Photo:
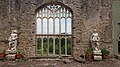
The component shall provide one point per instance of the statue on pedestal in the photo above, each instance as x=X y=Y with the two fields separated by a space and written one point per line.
x=95 y=45
x=13 y=41
x=94 y=40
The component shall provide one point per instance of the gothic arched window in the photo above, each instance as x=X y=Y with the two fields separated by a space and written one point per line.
x=54 y=30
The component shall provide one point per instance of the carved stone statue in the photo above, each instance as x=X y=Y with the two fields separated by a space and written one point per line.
x=95 y=45
x=94 y=40
x=13 y=41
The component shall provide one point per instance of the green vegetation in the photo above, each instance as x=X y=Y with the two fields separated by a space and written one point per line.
x=57 y=46
x=88 y=51
x=105 y=51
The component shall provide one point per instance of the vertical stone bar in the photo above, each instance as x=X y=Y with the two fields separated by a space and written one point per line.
x=59 y=46
x=53 y=45
x=59 y=36
x=53 y=25
x=65 y=45
x=65 y=25
x=65 y=33
x=53 y=37
x=42 y=46
x=42 y=31
x=48 y=36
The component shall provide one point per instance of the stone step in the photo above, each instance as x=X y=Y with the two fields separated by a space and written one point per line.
x=11 y=52
x=97 y=57
x=11 y=56
x=97 y=53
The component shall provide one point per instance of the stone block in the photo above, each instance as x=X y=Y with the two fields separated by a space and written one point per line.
x=97 y=57
x=97 y=52
x=11 y=52
x=11 y=56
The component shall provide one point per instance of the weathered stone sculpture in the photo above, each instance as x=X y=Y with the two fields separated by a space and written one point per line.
x=94 y=40
x=13 y=41
x=95 y=45
x=11 y=52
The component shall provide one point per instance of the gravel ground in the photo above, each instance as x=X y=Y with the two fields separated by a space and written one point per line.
x=59 y=63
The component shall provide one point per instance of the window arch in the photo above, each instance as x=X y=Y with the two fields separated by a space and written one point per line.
x=54 y=23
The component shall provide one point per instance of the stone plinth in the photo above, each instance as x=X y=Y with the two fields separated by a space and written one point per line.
x=97 y=55
x=11 y=54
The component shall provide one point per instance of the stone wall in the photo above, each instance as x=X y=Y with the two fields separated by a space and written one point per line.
x=87 y=15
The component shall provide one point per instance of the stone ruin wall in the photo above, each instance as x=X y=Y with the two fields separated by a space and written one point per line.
x=87 y=15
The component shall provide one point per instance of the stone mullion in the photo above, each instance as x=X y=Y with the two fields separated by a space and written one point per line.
x=62 y=12
x=42 y=47
x=53 y=25
x=60 y=46
x=48 y=37
x=42 y=25
x=59 y=25
x=65 y=25
x=68 y=14
x=42 y=31
x=47 y=32
x=66 y=34
x=59 y=36
x=65 y=45
x=53 y=45
x=53 y=37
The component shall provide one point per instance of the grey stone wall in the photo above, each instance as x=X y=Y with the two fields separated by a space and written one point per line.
x=87 y=15
x=90 y=14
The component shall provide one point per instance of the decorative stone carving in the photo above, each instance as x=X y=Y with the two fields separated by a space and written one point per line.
x=94 y=40
x=95 y=45
x=13 y=41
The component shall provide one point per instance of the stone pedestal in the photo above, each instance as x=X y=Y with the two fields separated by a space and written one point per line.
x=11 y=54
x=97 y=55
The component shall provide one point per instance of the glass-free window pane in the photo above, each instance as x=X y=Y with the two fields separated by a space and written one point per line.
x=63 y=26
x=51 y=45
x=69 y=46
x=48 y=13
x=64 y=12
x=37 y=15
x=39 y=43
x=57 y=46
x=44 y=26
x=60 y=12
x=63 y=46
x=43 y=12
x=50 y=26
x=38 y=26
x=67 y=13
x=69 y=26
x=56 y=26
x=45 y=45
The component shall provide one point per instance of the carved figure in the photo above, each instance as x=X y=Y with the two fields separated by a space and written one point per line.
x=94 y=40
x=13 y=40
